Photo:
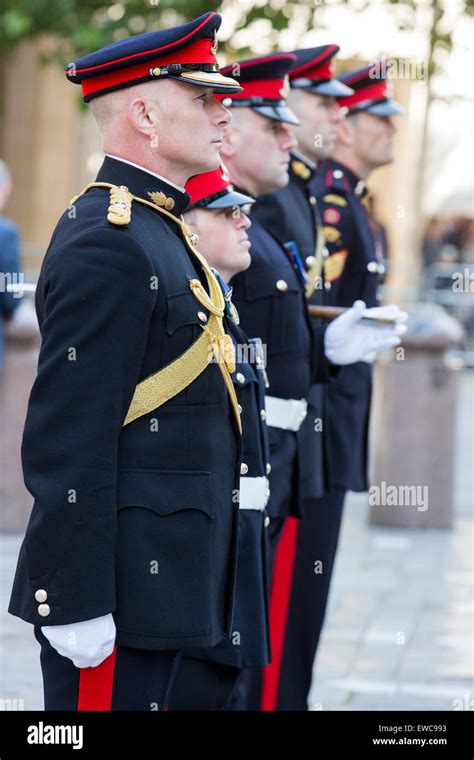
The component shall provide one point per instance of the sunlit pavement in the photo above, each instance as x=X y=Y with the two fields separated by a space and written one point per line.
x=399 y=631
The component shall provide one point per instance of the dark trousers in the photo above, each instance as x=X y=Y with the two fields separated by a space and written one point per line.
x=202 y=685
x=247 y=693
x=302 y=570
x=129 y=679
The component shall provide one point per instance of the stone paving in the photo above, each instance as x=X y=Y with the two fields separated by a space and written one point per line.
x=400 y=624
x=399 y=632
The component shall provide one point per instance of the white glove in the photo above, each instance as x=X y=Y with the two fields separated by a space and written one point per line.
x=348 y=339
x=87 y=643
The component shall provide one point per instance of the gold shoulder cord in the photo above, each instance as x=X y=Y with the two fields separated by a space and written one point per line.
x=158 y=388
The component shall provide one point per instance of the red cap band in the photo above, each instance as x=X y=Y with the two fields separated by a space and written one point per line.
x=209 y=183
x=376 y=91
x=198 y=52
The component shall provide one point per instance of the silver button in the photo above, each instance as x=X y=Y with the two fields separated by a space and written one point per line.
x=325 y=252
x=202 y=316
x=244 y=468
x=310 y=260
x=266 y=522
x=240 y=377
x=372 y=266
x=263 y=415
x=381 y=269
x=239 y=408
x=327 y=285
x=312 y=200
x=226 y=102
x=268 y=468
x=337 y=174
x=44 y=610
x=41 y=595
x=282 y=285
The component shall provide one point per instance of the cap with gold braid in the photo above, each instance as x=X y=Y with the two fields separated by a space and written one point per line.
x=186 y=53
x=265 y=86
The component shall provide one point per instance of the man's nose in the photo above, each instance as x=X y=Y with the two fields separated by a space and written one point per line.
x=289 y=141
x=336 y=113
x=243 y=221
x=222 y=116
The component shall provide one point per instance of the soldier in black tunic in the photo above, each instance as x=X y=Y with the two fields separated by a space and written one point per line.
x=217 y=215
x=132 y=442
x=272 y=303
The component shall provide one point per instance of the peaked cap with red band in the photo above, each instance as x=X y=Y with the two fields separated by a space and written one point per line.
x=186 y=53
x=265 y=86
x=371 y=92
x=313 y=71
x=213 y=190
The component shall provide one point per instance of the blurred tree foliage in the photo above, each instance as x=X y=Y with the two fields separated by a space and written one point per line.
x=84 y=25
x=89 y=24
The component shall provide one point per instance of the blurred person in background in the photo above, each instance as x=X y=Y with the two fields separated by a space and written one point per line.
x=9 y=260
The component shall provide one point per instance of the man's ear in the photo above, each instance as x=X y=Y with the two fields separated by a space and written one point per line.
x=230 y=139
x=140 y=114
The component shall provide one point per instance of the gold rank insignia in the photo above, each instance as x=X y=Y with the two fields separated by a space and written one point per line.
x=120 y=207
x=337 y=200
x=334 y=265
x=332 y=234
x=301 y=170
x=160 y=199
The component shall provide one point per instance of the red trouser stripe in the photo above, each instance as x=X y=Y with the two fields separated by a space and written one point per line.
x=280 y=596
x=96 y=684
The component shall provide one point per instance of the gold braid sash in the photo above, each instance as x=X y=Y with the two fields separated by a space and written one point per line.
x=214 y=343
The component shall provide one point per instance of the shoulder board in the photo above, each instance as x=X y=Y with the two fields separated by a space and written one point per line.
x=120 y=207
x=337 y=200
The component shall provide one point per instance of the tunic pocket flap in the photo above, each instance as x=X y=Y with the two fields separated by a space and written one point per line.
x=244 y=372
x=271 y=282
x=184 y=309
x=165 y=491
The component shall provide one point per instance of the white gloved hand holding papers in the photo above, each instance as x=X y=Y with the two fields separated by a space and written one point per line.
x=350 y=338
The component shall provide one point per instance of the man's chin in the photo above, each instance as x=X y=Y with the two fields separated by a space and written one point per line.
x=244 y=261
x=279 y=181
x=212 y=161
x=388 y=159
x=285 y=178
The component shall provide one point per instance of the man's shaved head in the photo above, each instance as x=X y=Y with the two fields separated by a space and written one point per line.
x=108 y=108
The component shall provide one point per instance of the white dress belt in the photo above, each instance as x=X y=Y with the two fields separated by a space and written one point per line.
x=285 y=413
x=254 y=493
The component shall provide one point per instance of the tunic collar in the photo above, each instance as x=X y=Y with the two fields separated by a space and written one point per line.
x=145 y=184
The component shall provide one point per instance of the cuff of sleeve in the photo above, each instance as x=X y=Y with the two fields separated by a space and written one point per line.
x=81 y=588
